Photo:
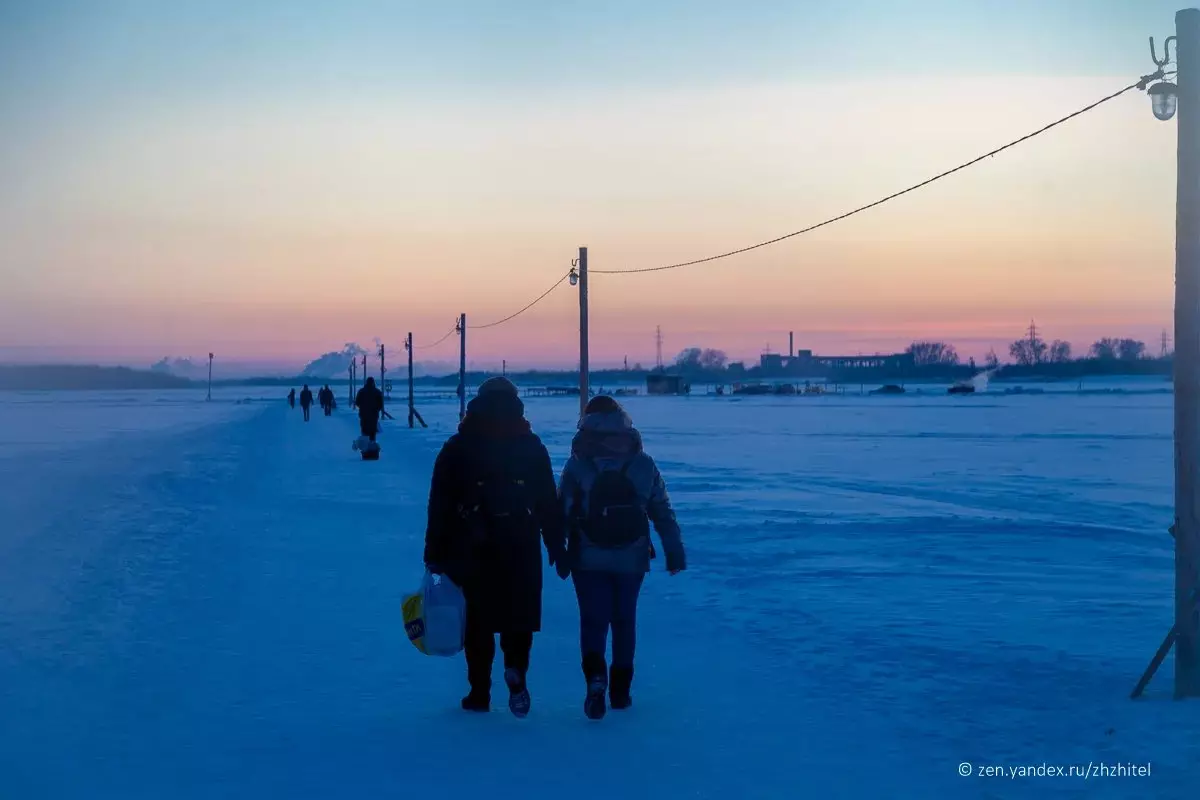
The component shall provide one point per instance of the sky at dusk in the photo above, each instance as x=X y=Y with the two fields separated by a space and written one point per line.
x=270 y=180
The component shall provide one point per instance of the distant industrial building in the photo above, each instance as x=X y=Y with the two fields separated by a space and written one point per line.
x=662 y=383
x=805 y=363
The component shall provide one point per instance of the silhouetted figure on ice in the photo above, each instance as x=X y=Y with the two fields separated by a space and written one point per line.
x=611 y=491
x=492 y=504
x=370 y=405
x=306 y=400
x=325 y=398
x=292 y=399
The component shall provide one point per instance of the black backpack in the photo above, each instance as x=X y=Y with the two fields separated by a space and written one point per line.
x=497 y=506
x=616 y=516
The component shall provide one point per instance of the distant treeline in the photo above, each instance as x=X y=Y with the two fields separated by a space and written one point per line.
x=53 y=377
x=60 y=377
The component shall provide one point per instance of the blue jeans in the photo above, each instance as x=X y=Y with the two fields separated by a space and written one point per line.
x=608 y=599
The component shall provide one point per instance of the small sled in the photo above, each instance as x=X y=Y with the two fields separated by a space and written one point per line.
x=369 y=449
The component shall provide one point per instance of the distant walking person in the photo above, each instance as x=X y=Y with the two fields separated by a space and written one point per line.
x=325 y=396
x=370 y=405
x=306 y=400
x=611 y=491
x=492 y=504
x=292 y=399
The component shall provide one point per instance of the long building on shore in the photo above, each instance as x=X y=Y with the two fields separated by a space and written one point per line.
x=805 y=363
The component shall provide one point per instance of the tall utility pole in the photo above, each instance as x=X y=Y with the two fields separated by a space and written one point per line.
x=382 y=376
x=353 y=379
x=462 y=367
x=1187 y=356
x=350 y=381
x=584 y=388
x=408 y=345
x=210 y=360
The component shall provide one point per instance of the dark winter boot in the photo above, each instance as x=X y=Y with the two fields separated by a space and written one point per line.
x=595 y=671
x=620 y=679
x=518 y=693
x=476 y=701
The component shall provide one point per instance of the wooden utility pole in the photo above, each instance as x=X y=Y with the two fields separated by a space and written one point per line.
x=583 y=331
x=1187 y=356
x=383 y=383
x=412 y=406
x=210 y=360
x=353 y=370
x=462 y=367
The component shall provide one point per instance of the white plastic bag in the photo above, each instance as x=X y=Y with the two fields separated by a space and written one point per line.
x=435 y=618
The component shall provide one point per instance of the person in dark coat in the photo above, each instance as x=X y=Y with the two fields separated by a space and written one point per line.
x=493 y=494
x=325 y=396
x=292 y=399
x=306 y=400
x=609 y=547
x=370 y=405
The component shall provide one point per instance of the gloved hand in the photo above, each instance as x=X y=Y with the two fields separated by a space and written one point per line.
x=676 y=562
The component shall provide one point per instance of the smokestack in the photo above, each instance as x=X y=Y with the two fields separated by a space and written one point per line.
x=791 y=344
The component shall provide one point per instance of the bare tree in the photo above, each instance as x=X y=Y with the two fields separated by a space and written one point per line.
x=1130 y=349
x=689 y=358
x=931 y=353
x=1028 y=352
x=991 y=360
x=714 y=360
x=1105 y=349
x=1060 y=351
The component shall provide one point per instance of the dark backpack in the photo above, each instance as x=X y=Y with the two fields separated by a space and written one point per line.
x=498 y=506
x=616 y=516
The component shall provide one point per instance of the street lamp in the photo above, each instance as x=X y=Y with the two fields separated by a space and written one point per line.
x=1164 y=99
x=573 y=276
x=1164 y=95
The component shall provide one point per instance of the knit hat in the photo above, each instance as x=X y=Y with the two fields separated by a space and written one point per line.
x=498 y=385
x=601 y=404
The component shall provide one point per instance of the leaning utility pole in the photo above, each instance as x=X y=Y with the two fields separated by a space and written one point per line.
x=462 y=367
x=584 y=388
x=1187 y=356
x=412 y=408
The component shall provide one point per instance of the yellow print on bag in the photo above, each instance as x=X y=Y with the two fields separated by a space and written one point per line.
x=414 y=620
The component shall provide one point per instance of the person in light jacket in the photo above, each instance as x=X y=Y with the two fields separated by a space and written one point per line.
x=612 y=492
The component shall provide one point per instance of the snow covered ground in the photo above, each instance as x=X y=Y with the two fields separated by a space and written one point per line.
x=201 y=600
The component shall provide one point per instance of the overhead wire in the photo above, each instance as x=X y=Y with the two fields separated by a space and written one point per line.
x=1139 y=84
x=537 y=300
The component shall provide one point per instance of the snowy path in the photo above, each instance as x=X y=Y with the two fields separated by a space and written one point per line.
x=214 y=613
x=234 y=632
